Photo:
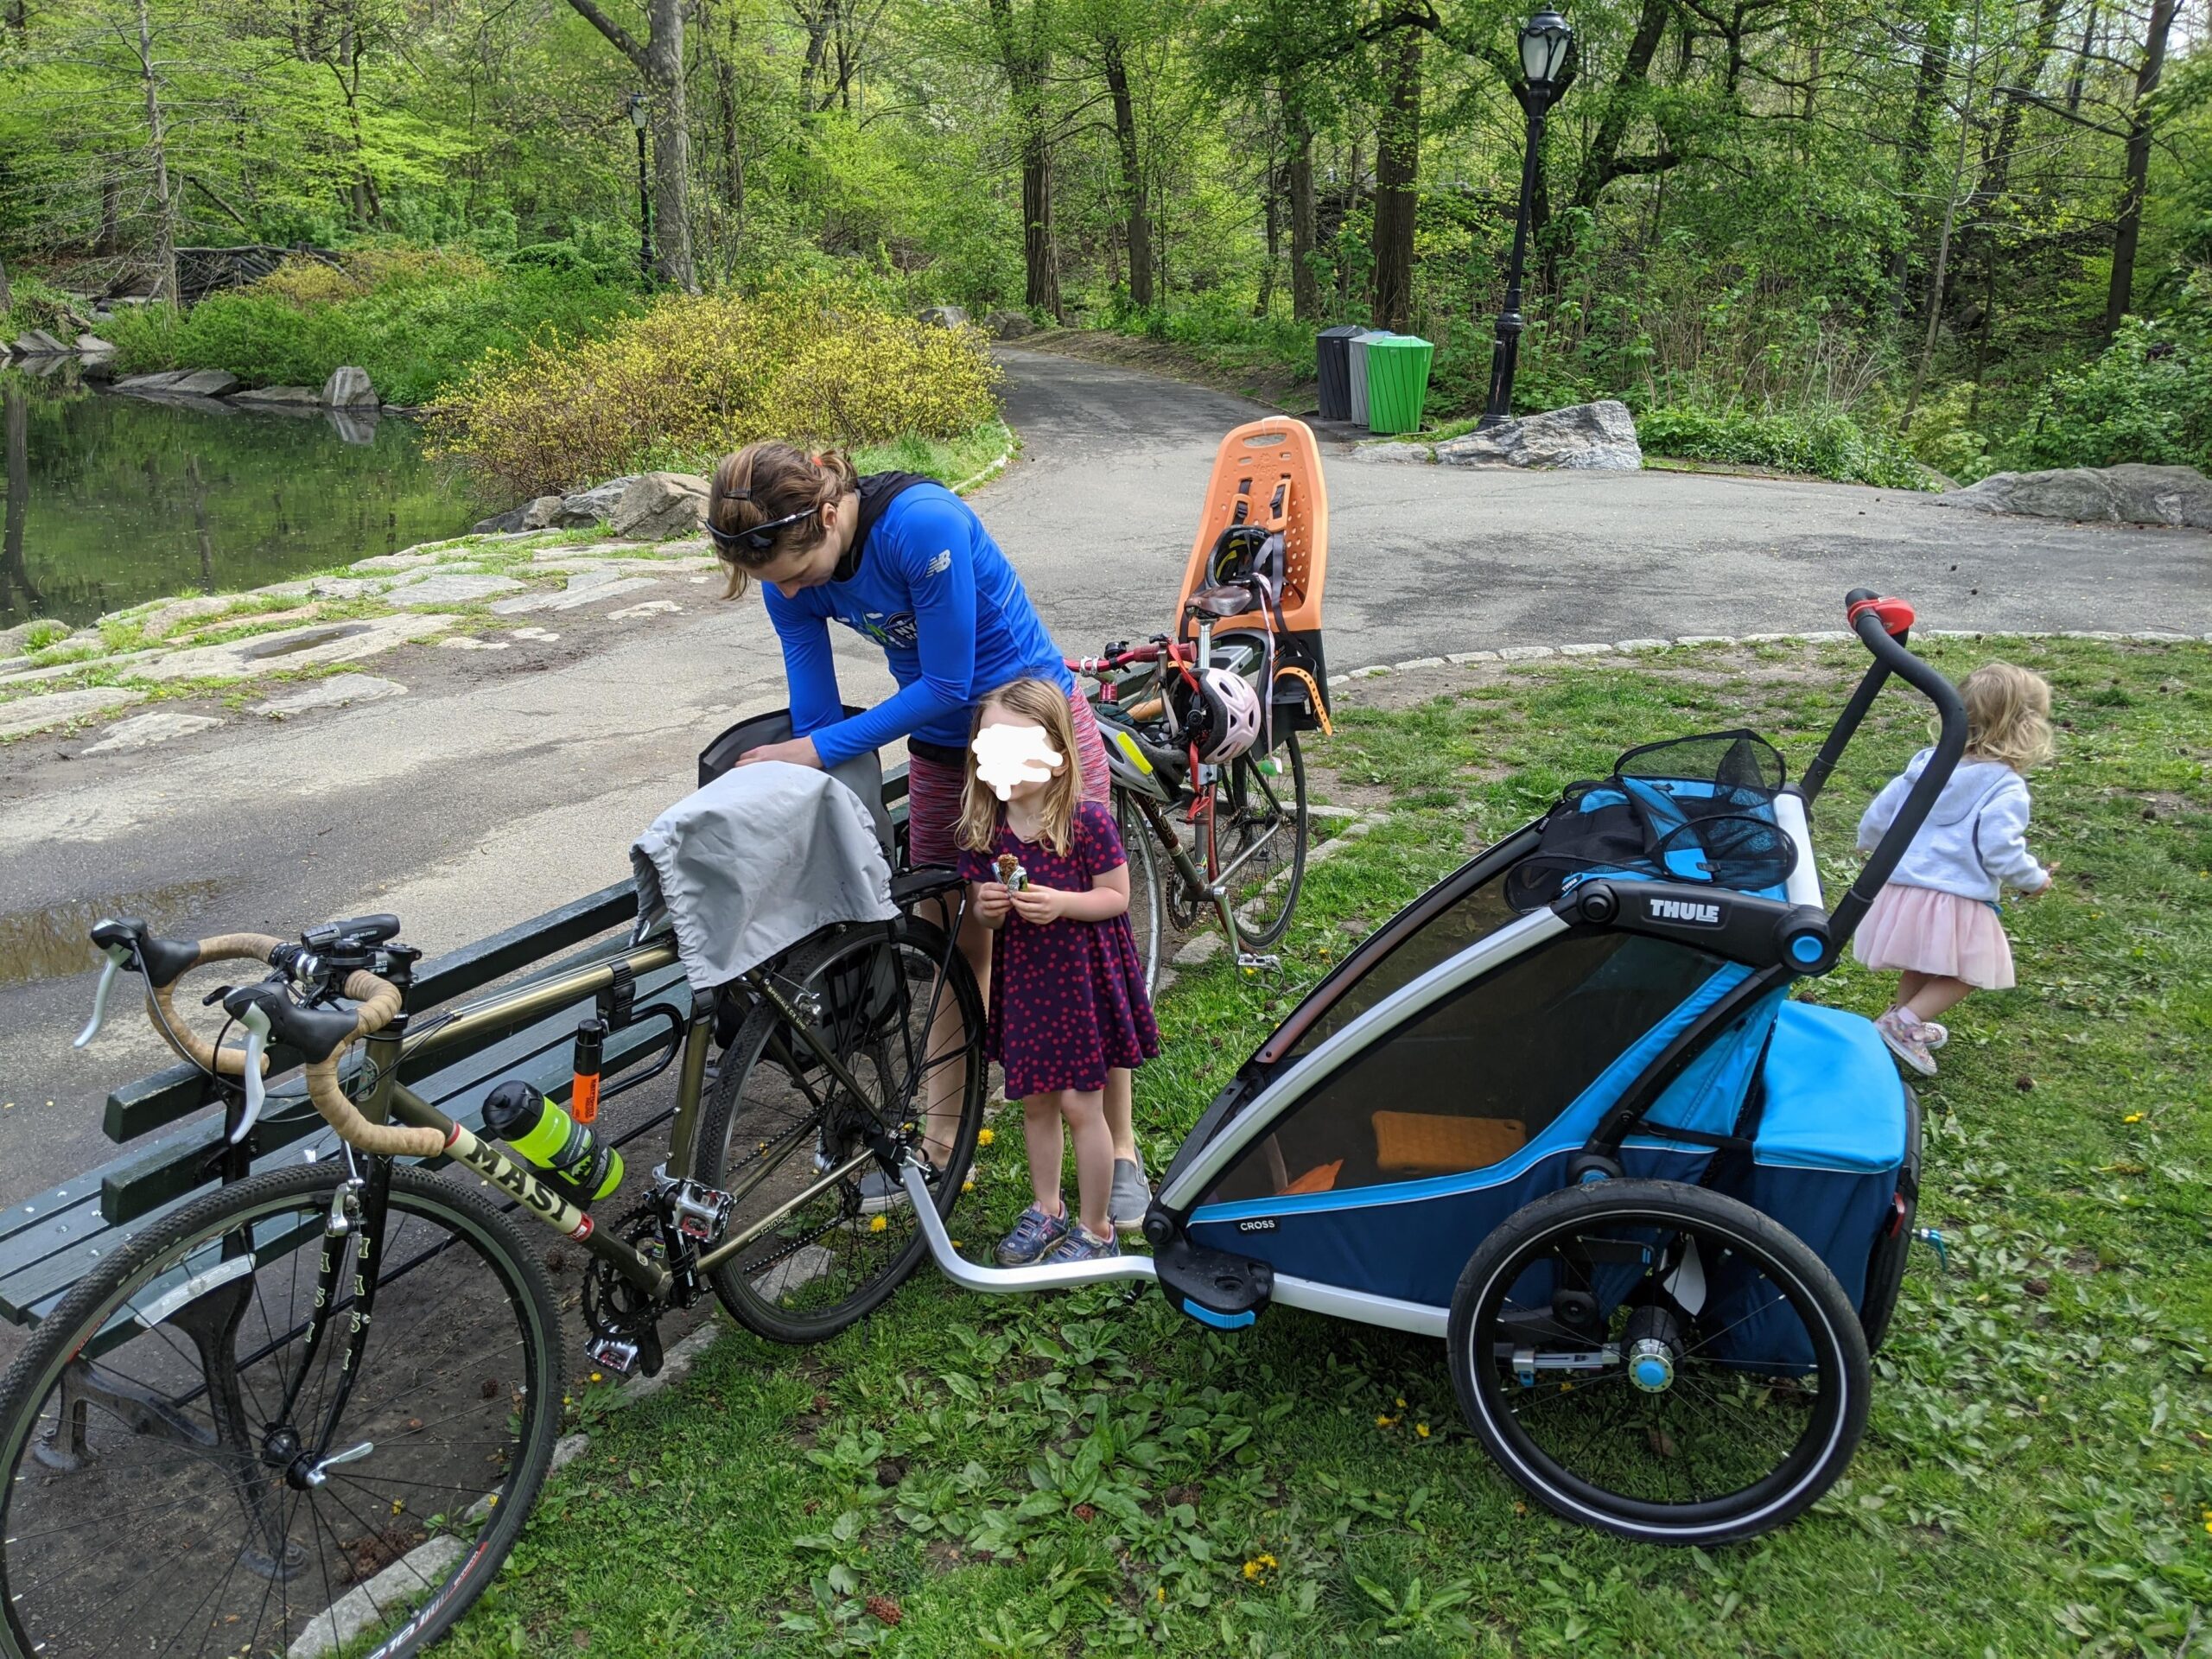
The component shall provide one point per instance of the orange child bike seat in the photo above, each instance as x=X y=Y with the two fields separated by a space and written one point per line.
x=1267 y=473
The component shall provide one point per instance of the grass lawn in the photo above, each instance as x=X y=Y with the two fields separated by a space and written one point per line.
x=1084 y=1473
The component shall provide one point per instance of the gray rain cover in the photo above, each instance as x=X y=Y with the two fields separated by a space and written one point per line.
x=755 y=861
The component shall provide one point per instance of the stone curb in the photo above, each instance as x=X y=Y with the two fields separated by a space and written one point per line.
x=1813 y=636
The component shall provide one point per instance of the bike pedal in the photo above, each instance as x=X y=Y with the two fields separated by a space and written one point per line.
x=613 y=1354
x=700 y=1211
x=1254 y=961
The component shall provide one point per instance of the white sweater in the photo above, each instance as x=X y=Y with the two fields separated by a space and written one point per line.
x=1974 y=844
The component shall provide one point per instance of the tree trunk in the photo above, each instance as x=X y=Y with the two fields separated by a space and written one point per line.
x=660 y=61
x=1026 y=65
x=1305 y=228
x=2121 y=294
x=111 y=234
x=1950 y=218
x=1139 y=218
x=1397 y=176
x=14 y=415
x=1913 y=152
x=1604 y=163
x=7 y=293
x=2082 y=61
x=165 y=284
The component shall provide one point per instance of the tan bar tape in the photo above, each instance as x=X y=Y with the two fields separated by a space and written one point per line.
x=379 y=1002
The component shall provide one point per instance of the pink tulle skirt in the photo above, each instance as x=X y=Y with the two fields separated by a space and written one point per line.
x=1924 y=932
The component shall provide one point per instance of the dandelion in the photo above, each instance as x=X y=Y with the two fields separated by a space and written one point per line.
x=1421 y=1429
x=1402 y=1402
x=1256 y=1569
x=965 y=1186
x=877 y=1223
x=2133 y=1117
x=984 y=1137
x=1386 y=1422
x=1159 y=1593
x=595 y=1376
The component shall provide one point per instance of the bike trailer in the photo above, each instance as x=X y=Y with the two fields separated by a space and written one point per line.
x=1260 y=561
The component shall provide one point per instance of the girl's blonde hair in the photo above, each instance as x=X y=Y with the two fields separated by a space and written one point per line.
x=765 y=481
x=2008 y=715
x=1046 y=704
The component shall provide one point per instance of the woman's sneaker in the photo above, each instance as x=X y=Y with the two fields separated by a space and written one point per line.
x=1081 y=1245
x=1131 y=1197
x=1033 y=1236
x=1908 y=1040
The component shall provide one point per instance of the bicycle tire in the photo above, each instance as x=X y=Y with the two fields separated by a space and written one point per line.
x=1510 y=1294
x=174 y=1278
x=1147 y=903
x=793 y=1118
x=1257 y=928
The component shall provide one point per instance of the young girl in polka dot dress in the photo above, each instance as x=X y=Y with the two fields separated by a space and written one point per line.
x=1047 y=872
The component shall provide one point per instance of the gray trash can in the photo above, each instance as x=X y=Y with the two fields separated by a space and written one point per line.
x=1359 y=343
x=1333 y=366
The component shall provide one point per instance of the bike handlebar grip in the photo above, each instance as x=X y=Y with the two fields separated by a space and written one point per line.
x=161 y=994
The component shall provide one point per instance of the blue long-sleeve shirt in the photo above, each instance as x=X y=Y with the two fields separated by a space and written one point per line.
x=935 y=592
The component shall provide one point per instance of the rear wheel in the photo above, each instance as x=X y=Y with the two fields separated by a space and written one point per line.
x=1259 y=830
x=174 y=1481
x=1659 y=1361
x=794 y=1147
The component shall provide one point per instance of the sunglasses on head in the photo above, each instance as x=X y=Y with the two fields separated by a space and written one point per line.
x=760 y=538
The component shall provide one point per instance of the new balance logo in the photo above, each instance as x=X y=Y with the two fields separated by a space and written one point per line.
x=940 y=564
x=1684 y=910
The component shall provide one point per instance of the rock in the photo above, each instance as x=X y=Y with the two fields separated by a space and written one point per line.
x=945 y=316
x=353 y=425
x=163 y=620
x=93 y=345
x=660 y=506
x=395 y=562
x=1421 y=453
x=333 y=692
x=1009 y=324
x=205 y=383
x=162 y=382
x=585 y=588
x=342 y=588
x=98 y=368
x=350 y=388
x=280 y=396
x=144 y=731
x=445 y=589
x=582 y=509
x=2129 y=494
x=309 y=647
x=1599 y=437
x=17 y=641
x=36 y=342
x=26 y=714
x=651 y=608
x=505 y=523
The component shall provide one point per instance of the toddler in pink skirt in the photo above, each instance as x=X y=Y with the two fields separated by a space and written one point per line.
x=1936 y=918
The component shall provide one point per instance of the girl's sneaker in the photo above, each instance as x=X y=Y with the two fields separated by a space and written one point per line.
x=1033 y=1236
x=1908 y=1040
x=1081 y=1245
x=1934 y=1035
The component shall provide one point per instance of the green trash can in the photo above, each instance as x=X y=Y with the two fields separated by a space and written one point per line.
x=1397 y=382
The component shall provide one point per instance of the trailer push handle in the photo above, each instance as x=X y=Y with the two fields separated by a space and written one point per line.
x=1884 y=624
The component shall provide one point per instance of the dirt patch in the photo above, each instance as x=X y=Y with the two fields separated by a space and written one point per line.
x=1273 y=383
x=1326 y=784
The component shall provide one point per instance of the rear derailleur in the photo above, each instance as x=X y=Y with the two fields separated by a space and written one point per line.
x=676 y=1218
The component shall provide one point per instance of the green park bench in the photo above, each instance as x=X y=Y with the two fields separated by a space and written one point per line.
x=49 y=1242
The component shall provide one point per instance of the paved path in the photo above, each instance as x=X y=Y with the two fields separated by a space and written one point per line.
x=505 y=783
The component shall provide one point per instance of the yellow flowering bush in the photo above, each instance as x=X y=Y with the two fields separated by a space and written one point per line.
x=696 y=376
x=305 y=281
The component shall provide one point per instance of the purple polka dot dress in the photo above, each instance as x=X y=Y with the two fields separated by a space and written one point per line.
x=1067 y=999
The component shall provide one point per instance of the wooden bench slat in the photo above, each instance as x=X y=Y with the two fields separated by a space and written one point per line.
x=153 y=1103
x=172 y=1166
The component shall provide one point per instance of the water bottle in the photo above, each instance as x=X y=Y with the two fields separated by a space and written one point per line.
x=581 y=1164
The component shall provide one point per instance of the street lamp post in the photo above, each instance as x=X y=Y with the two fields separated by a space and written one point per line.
x=645 y=200
x=1545 y=40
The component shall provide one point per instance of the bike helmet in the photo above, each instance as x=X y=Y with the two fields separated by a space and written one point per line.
x=1232 y=723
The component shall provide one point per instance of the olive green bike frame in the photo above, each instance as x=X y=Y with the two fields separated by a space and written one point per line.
x=390 y=1100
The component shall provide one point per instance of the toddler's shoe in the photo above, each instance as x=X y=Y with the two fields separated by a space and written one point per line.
x=1033 y=1236
x=1908 y=1040
x=1132 y=1198
x=1081 y=1245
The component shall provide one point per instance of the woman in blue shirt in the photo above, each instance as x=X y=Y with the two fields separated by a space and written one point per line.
x=903 y=561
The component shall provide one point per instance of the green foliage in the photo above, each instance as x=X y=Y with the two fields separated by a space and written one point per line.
x=695 y=377
x=2147 y=397
x=1826 y=444
x=416 y=332
x=37 y=305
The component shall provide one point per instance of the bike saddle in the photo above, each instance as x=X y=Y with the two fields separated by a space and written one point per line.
x=1224 y=601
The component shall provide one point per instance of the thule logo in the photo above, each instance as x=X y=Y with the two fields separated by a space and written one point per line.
x=1684 y=910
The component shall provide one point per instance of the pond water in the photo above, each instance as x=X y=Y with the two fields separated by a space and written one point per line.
x=111 y=500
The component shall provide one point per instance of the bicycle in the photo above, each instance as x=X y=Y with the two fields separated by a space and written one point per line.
x=321 y=1401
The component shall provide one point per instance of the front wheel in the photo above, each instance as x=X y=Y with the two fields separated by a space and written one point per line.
x=1259 y=830
x=1659 y=1361
x=201 y=1456
x=1147 y=903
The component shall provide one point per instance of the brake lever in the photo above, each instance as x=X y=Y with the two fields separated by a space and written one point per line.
x=117 y=960
x=255 y=1019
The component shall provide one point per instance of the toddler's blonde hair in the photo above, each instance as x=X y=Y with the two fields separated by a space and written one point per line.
x=2008 y=715
x=1046 y=704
